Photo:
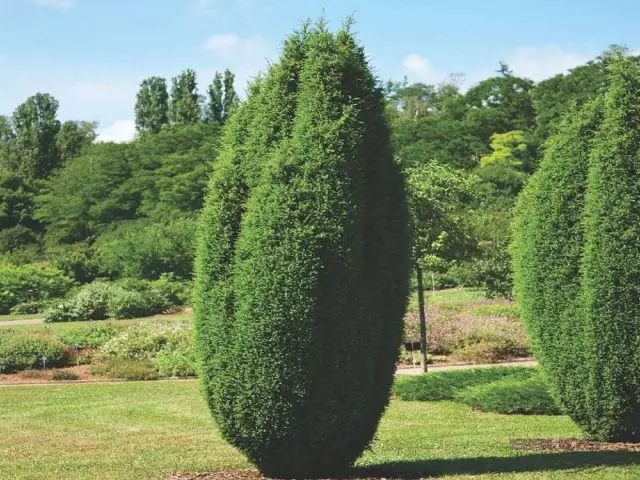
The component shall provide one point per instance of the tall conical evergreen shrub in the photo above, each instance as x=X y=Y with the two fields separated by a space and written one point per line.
x=302 y=263
x=577 y=260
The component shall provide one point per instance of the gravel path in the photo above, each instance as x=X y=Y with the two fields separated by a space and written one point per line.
x=400 y=371
x=15 y=323
x=525 y=362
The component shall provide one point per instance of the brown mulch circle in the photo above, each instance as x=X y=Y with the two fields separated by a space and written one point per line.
x=83 y=373
x=572 y=445
x=239 y=475
x=222 y=475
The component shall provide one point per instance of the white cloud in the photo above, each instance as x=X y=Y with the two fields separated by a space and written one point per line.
x=55 y=3
x=417 y=64
x=419 y=68
x=538 y=63
x=230 y=45
x=120 y=131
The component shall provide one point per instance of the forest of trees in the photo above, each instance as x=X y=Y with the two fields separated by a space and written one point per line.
x=106 y=210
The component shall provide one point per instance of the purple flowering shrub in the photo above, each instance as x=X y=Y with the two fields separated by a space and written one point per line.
x=478 y=333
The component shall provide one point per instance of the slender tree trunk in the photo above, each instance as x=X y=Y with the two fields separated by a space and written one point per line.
x=423 y=320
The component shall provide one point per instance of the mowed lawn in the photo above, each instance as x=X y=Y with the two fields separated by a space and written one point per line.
x=65 y=327
x=149 y=430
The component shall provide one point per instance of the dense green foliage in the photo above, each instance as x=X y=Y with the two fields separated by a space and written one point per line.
x=88 y=337
x=184 y=106
x=30 y=283
x=146 y=249
x=575 y=260
x=95 y=210
x=22 y=351
x=446 y=385
x=178 y=364
x=152 y=105
x=166 y=346
x=527 y=395
x=126 y=298
x=130 y=370
x=302 y=263
x=127 y=210
x=148 y=340
x=89 y=194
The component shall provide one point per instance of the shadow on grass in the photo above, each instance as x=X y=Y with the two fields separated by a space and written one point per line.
x=486 y=465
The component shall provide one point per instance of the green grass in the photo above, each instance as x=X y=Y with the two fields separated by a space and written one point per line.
x=454 y=295
x=511 y=395
x=148 y=430
x=72 y=326
x=509 y=310
x=448 y=296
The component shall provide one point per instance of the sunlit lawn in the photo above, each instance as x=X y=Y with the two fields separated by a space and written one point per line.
x=64 y=327
x=149 y=430
x=449 y=295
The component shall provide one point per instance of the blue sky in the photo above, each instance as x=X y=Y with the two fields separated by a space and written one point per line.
x=92 y=54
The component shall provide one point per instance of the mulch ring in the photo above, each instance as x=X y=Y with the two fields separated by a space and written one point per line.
x=572 y=445
x=222 y=475
x=240 y=475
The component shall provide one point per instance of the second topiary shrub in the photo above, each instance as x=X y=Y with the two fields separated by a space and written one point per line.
x=576 y=260
x=302 y=263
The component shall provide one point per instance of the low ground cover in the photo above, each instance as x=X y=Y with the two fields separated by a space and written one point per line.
x=463 y=326
x=507 y=390
x=165 y=341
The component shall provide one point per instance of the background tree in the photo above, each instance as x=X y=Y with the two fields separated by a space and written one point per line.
x=184 y=105
x=90 y=193
x=500 y=104
x=18 y=228
x=115 y=196
x=511 y=161
x=32 y=152
x=152 y=105
x=556 y=95
x=437 y=137
x=6 y=131
x=74 y=138
x=502 y=175
x=215 y=94
x=441 y=233
x=173 y=170
x=231 y=100
x=306 y=224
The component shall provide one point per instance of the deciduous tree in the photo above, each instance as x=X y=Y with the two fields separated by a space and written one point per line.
x=184 y=105
x=152 y=105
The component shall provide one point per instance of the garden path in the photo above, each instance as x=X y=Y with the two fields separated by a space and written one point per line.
x=525 y=362
x=15 y=323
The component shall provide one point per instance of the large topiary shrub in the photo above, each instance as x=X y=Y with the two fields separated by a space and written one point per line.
x=302 y=263
x=576 y=260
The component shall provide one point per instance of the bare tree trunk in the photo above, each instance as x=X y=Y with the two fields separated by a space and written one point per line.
x=423 y=320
